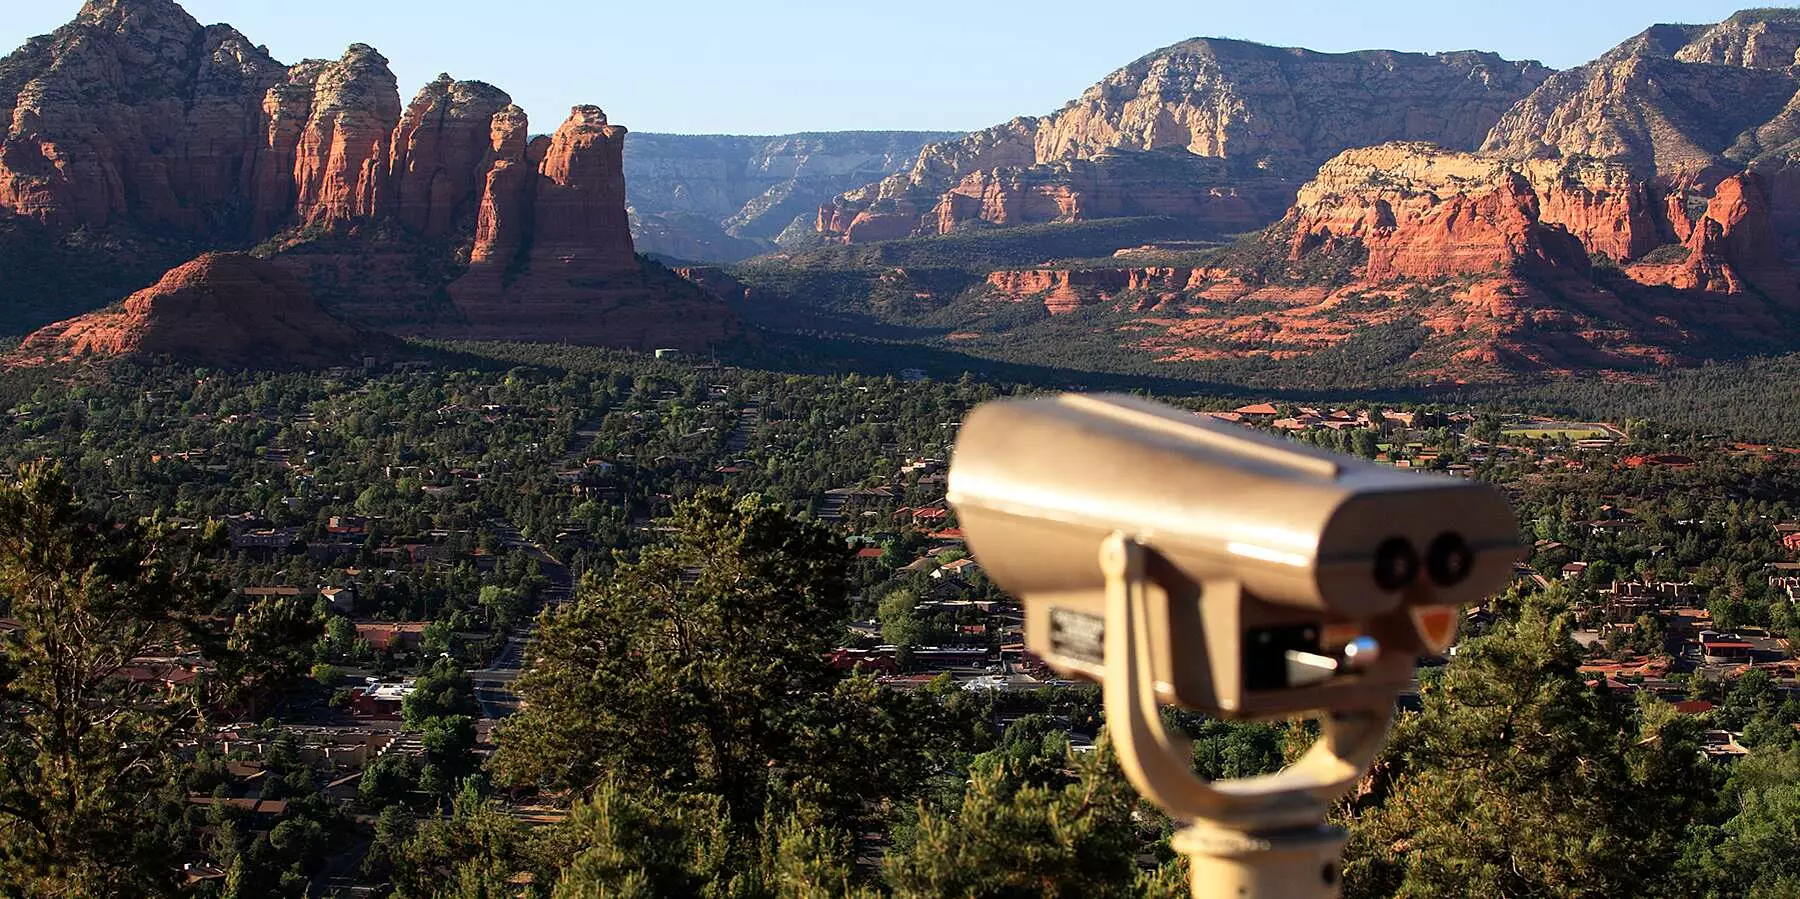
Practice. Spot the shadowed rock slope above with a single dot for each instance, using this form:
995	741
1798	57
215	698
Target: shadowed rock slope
220	309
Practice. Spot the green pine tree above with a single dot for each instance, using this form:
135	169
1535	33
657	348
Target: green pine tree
87	754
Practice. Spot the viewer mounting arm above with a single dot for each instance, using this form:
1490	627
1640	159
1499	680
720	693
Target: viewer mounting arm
1175	559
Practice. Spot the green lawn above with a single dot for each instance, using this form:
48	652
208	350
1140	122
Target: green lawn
1572	432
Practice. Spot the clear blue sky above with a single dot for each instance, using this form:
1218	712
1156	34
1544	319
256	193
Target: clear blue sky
776	66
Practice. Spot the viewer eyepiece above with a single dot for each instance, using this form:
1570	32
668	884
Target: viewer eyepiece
1396	563
1449	559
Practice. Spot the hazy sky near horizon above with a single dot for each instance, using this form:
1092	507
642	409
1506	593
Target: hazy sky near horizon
778	66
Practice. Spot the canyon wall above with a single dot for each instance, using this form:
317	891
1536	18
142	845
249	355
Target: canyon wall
720	198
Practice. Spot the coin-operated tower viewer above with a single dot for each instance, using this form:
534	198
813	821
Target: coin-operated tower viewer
1180	560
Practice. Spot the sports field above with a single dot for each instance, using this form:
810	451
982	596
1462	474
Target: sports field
1553	430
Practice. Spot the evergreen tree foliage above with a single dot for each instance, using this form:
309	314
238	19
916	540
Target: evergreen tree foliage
1517	779
86	751
1749	851
1013	837
475	850
686	669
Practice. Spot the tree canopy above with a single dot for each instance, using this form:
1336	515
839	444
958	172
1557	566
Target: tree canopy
88	736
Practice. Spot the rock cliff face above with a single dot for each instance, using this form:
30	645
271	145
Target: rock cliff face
503	227
132	113
1423	214
579	212
721	198
220	309
1065	290
1685	107
1686	103
135	115
439	151
342	159
552	258
134	119
1113	184
1731	249
1271	114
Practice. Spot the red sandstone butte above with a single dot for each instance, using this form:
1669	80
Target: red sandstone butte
1732	248
439	153
553	258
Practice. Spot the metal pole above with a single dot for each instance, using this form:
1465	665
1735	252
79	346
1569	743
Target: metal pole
1290	864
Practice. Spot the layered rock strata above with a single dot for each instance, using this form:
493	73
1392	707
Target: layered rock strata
1273	114
134	113
1683	102
1538	264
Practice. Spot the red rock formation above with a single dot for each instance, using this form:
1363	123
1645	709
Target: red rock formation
1732	248
521	197
580	226
439	151
833	220
132	113
1060	290
1272	113
1065	290
286	108
503	227
331	154
1676	211
892	207
553	258
1487	260
1602	204
1744	235
1113	185
223	309
341	160
134	116
871	226
1424	213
